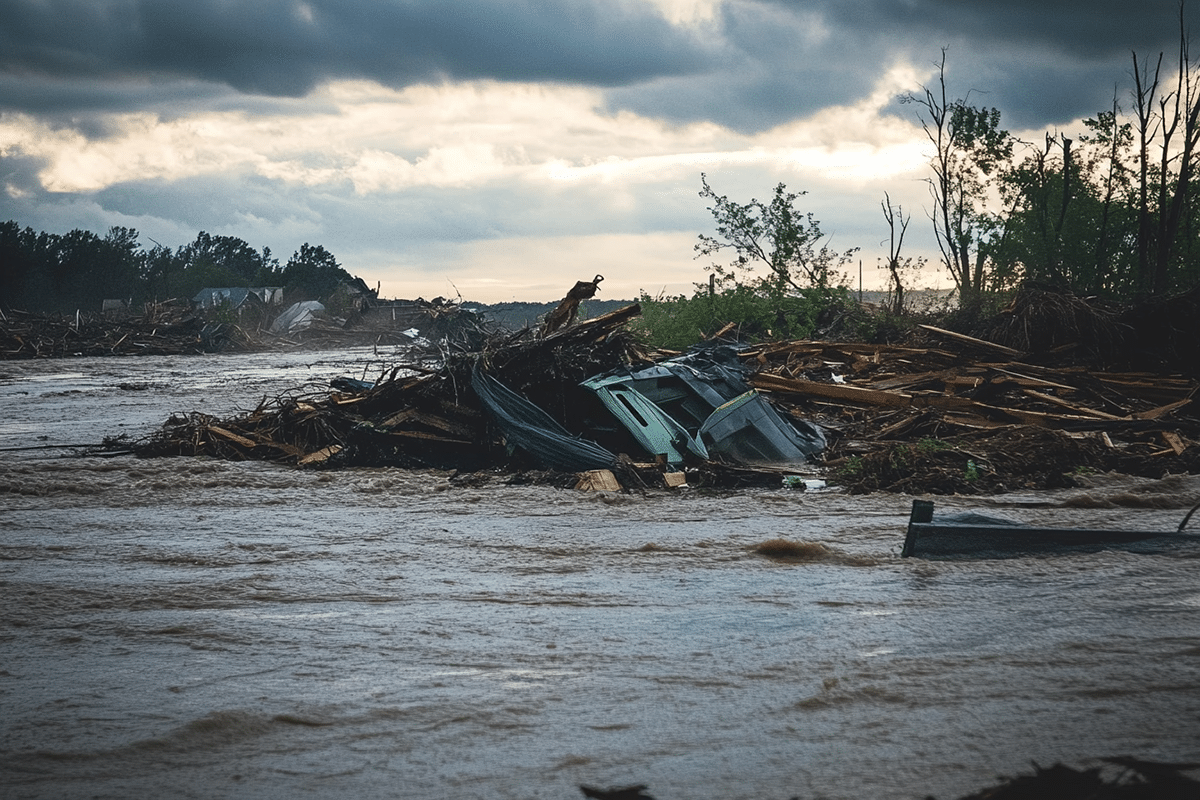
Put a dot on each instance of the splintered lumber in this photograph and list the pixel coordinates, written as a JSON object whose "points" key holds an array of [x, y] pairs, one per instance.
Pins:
{"points": [[833, 391], [320, 456], [879, 403], [566, 311], [1026, 380], [1155, 413], [1175, 442], [448, 426], [415, 416], [231, 436], [861, 395], [971, 340], [1079, 410], [162, 329], [598, 480]]}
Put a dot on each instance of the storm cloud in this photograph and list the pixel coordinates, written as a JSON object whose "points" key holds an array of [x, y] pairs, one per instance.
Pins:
{"points": [[750, 65], [408, 135], [286, 47]]}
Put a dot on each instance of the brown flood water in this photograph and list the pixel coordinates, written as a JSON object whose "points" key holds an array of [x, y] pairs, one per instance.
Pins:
{"points": [[197, 628]]}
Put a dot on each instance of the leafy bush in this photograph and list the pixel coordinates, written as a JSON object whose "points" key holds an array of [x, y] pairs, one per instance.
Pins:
{"points": [[758, 312]]}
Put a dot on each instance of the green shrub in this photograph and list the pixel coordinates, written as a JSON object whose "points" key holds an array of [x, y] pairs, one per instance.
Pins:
{"points": [[758, 313]]}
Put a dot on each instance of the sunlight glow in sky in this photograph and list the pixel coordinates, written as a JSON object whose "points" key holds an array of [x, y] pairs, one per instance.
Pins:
{"points": [[506, 151]]}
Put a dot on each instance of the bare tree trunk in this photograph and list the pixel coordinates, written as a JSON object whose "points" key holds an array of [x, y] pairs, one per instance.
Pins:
{"points": [[1109, 191], [1186, 110], [1144, 90], [895, 215]]}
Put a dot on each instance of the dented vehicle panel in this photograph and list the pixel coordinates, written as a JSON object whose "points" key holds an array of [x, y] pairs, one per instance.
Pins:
{"points": [[697, 407]]}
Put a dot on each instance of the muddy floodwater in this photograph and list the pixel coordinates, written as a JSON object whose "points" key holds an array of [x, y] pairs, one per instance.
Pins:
{"points": [[195, 628]]}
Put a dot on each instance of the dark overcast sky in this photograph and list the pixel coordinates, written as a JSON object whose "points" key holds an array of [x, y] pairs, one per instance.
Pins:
{"points": [[754, 65], [508, 131]]}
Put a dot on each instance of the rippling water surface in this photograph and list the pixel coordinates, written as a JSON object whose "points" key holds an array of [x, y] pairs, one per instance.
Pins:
{"points": [[198, 628]]}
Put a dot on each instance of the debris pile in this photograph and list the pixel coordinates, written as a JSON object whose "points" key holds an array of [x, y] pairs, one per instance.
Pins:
{"points": [[176, 327], [414, 415], [168, 328], [960, 414], [384, 323], [947, 413]]}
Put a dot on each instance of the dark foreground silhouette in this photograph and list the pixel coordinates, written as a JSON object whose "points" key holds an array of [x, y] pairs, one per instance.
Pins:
{"points": [[1123, 778]]}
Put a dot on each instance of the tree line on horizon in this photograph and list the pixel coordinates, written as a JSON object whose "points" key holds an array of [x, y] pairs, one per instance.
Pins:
{"points": [[61, 273], [1113, 213]]}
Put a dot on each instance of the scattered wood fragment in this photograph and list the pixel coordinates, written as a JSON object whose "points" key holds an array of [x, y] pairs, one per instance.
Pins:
{"points": [[320, 456], [598, 480]]}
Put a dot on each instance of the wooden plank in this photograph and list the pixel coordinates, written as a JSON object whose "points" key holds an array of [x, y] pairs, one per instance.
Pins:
{"points": [[1161, 411], [231, 436], [833, 391], [891, 382], [288, 449], [729, 326], [1162, 388], [946, 402], [973, 421], [968, 381], [1058, 401], [320, 456], [428, 437], [1174, 441], [1040, 418], [962, 337], [1026, 380], [397, 418], [859, 395], [598, 480], [445, 425], [674, 480]]}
